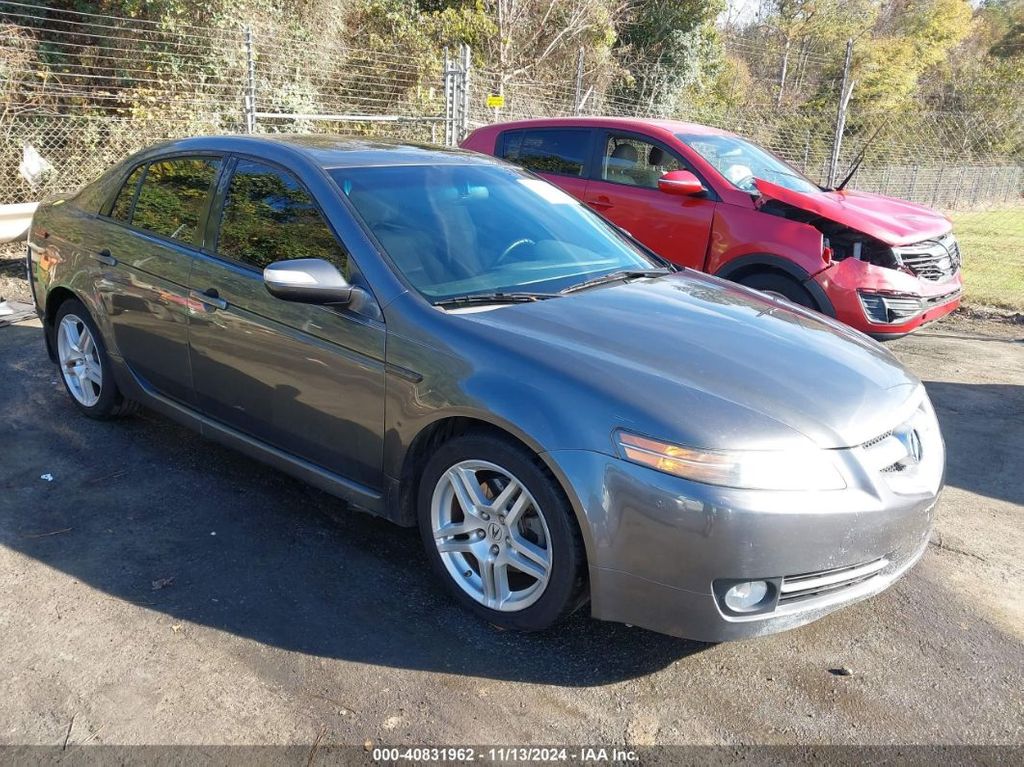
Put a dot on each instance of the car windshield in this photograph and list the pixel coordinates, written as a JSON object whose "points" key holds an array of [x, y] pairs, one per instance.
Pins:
{"points": [[473, 230], [740, 162]]}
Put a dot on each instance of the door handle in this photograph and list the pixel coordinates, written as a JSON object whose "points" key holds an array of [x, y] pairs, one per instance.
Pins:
{"points": [[601, 203], [208, 297], [104, 257]]}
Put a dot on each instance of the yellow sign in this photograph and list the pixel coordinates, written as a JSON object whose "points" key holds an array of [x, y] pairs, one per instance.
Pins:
{"points": [[494, 101]]}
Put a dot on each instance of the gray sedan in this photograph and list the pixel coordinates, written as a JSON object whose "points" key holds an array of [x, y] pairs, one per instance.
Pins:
{"points": [[450, 342]]}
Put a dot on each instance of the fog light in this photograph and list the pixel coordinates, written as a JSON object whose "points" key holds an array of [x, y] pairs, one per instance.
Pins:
{"points": [[744, 597]]}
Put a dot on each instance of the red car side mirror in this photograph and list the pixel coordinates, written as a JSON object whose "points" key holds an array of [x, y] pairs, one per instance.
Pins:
{"points": [[680, 182]]}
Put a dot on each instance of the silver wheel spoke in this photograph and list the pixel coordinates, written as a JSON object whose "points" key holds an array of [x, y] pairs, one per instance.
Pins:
{"points": [[71, 334], [494, 579], [453, 546], [457, 528], [513, 490], [467, 490], [520, 505], [530, 552], [85, 343], [92, 372]]}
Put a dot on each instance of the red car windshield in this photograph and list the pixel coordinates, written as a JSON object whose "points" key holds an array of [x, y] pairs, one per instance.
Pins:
{"points": [[740, 162]]}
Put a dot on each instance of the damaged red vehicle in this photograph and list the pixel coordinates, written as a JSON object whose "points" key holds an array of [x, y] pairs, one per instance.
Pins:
{"points": [[711, 200]]}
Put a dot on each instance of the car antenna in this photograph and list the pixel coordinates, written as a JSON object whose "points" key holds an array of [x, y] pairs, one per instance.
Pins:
{"points": [[857, 161]]}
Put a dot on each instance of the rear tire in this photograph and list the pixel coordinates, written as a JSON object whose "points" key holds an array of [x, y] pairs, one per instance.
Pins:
{"points": [[781, 285], [85, 365], [516, 557]]}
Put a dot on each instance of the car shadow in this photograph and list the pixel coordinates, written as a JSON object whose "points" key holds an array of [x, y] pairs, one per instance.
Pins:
{"points": [[983, 427], [151, 513]]}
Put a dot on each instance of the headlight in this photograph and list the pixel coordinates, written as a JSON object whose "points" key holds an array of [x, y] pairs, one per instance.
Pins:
{"points": [[805, 469]]}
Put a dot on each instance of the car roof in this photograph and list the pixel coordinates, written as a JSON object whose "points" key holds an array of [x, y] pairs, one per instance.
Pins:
{"points": [[621, 123], [328, 151]]}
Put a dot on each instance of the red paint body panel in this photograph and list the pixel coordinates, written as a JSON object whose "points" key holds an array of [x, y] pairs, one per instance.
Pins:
{"points": [[740, 232], [715, 232], [676, 227]]}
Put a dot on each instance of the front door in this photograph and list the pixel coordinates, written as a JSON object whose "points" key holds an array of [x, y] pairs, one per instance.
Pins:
{"points": [[306, 379], [624, 189]]}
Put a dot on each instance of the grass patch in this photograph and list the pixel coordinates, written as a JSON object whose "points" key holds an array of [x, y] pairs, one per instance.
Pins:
{"points": [[992, 243]]}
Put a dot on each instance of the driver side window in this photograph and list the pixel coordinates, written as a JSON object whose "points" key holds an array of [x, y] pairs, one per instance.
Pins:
{"points": [[269, 216], [633, 162]]}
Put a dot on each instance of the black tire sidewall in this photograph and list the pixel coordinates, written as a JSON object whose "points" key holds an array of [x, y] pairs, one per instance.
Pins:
{"points": [[566, 582], [110, 398], [784, 286]]}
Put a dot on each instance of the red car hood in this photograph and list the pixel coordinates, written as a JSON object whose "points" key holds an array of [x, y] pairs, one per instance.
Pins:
{"points": [[894, 222]]}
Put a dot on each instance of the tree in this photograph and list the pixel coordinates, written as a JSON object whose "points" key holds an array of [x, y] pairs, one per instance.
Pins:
{"points": [[667, 47]]}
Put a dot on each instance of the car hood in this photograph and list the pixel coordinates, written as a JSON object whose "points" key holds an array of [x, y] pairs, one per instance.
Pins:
{"points": [[894, 222], [695, 359]]}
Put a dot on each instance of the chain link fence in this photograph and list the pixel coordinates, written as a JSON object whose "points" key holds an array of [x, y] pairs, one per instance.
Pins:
{"points": [[85, 90]]}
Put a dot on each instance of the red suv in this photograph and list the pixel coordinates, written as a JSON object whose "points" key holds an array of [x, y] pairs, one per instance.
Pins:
{"points": [[710, 200]]}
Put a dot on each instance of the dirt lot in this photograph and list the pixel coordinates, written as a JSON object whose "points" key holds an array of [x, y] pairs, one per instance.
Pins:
{"points": [[161, 589]]}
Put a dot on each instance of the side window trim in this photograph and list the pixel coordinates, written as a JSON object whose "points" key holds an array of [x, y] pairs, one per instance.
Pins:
{"points": [[597, 159]]}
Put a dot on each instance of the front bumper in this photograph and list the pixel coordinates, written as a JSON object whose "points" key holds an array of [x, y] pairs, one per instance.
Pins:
{"points": [[885, 302], [658, 544]]}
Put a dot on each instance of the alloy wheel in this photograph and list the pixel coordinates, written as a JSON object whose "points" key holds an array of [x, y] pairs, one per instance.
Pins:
{"points": [[79, 360], [491, 535]]}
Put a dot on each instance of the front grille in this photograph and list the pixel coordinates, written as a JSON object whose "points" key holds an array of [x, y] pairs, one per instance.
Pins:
{"points": [[934, 259], [796, 588]]}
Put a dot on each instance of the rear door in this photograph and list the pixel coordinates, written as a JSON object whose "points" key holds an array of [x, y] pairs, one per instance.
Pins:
{"points": [[560, 155], [624, 189], [306, 379], [152, 230]]}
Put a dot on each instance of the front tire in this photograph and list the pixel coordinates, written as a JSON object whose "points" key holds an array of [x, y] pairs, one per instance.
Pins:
{"points": [[499, 531], [85, 365], [781, 285]]}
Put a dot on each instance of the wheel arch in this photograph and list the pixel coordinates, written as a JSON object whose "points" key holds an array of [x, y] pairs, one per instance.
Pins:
{"points": [[55, 298], [767, 263], [404, 490]]}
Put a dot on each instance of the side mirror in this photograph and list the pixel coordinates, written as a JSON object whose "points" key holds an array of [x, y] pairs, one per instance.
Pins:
{"points": [[307, 281], [681, 182]]}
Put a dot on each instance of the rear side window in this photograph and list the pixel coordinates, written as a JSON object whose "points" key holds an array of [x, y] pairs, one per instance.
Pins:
{"points": [[557, 151], [122, 209], [173, 196], [268, 216]]}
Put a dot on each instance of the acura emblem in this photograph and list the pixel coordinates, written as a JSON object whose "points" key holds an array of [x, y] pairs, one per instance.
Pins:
{"points": [[911, 440], [495, 531]]}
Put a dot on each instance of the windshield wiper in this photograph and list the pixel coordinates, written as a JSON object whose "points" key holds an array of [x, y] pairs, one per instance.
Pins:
{"points": [[623, 274], [478, 299]]}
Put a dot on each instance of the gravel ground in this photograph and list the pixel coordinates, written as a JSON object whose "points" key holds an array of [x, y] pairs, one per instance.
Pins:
{"points": [[13, 285], [162, 589]]}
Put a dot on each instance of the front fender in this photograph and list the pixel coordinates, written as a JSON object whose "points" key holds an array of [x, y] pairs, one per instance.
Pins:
{"points": [[741, 234]]}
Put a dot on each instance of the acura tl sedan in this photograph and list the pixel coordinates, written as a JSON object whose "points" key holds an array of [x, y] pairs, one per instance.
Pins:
{"points": [[448, 341]]}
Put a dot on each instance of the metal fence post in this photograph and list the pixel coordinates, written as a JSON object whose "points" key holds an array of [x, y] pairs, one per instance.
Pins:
{"points": [[464, 117], [250, 83], [845, 91], [577, 102], [449, 101]]}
